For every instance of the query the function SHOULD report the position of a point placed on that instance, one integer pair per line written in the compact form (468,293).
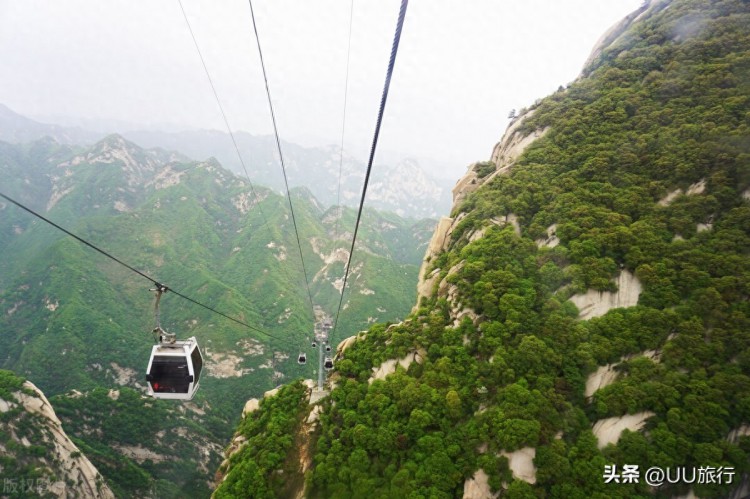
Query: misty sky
(462,66)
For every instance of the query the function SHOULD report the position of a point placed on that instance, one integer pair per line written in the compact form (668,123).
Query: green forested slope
(270,436)
(665,107)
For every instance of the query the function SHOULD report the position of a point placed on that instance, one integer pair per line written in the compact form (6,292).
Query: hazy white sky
(462,65)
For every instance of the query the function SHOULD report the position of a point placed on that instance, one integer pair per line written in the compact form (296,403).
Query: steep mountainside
(70,319)
(37,459)
(144,447)
(583,313)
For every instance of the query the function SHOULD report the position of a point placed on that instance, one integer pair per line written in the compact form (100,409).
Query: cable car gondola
(328,364)
(174,369)
(302,359)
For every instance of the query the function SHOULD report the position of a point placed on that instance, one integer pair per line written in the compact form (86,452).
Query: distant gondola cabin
(174,370)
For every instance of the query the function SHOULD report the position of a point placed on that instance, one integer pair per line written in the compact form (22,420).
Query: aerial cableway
(174,367)
(301,359)
(373,148)
(326,362)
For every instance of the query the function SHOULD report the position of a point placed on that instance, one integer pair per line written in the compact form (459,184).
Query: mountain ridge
(314,167)
(417,196)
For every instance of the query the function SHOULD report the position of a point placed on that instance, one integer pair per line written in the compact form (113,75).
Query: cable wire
(234,141)
(343,126)
(281,159)
(133,269)
(383,100)
(221,108)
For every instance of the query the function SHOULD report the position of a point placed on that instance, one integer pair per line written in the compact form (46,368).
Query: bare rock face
(348,342)
(597,303)
(740,431)
(67,472)
(439,237)
(440,241)
(250,407)
(513,144)
(607,431)
(389,366)
(504,155)
(425,285)
(551,240)
(465,185)
(521,463)
(477,487)
(694,190)
(671,196)
(602,377)
(606,375)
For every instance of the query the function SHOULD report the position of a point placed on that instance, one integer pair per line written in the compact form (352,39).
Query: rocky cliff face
(618,33)
(504,155)
(33,438)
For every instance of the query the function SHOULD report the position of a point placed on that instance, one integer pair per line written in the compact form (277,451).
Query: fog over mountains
(405,188)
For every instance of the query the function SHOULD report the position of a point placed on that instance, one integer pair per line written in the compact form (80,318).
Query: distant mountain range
(15,128)
(404,188)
